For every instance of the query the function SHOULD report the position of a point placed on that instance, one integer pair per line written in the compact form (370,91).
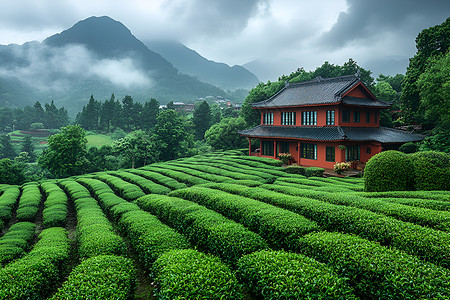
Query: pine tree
(201,120)
(28,147)
(6,148)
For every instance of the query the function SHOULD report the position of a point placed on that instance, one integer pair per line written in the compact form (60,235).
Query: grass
(98,140)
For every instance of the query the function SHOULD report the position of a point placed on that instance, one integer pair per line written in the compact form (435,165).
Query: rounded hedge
(389,171)
(431,170)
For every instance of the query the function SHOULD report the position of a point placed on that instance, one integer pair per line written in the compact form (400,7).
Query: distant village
(222,102)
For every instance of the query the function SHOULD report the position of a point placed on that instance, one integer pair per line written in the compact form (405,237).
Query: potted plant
(340,167)
(285,157)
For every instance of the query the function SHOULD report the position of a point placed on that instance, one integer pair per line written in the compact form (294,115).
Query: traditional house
(324,121)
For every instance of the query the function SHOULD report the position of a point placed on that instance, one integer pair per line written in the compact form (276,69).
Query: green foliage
(408,148)
(278,226)
(201,119)
(34,275)
(389,171)
(28,147)
(15,241)
(204,227)
(148,186)
(29,202)
(170,135)
(55,205)
(189,274)
(159,178)
(314,171)
(377,272)
(431,42)
(6,148)
(296,170)
(66,155)
(127,190)
(431,170)
(137,147)
(100,277)
(283,275)
(8,199)
(434,89)
(11,172)
(224,134)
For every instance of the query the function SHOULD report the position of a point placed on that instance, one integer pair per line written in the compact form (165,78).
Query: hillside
(221,224)
(98,56)
(190,62)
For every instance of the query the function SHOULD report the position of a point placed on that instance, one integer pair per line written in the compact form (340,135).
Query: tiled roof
(333,133)
(318,91)
(364,102)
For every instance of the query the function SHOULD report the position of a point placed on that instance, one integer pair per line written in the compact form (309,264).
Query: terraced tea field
(223,226)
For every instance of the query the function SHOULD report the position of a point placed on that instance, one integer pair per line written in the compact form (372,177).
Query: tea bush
(431,170)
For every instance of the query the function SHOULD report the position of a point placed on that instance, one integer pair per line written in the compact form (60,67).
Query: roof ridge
(320,79)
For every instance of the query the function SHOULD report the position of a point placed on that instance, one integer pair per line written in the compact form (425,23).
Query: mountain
(98,56)
(190,62)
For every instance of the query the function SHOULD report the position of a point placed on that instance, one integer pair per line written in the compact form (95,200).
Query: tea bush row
(176,175)
(200,174)
(159,178)
(334,183)
(232,166)
(423,203)
(148,186)
(283,275)
(55,205)
(252,165)
(189,274)
(433,195)
(305,171)
(204,227)
(8,199)
(95,235)
(276,225)
(123,188)
(263,160)
(15,241)
(416,215)
(36,274)
(217,170)
(429,244)
(100,277)
(29,202)
(377,272)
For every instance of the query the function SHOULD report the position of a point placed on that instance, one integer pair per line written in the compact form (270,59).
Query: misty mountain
(98,56)
(190,62)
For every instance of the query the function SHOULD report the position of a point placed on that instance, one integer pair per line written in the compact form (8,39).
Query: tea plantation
(221,226)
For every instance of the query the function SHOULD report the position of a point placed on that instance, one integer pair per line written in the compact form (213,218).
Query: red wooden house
(324,121)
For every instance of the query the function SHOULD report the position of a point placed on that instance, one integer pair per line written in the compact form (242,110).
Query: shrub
(100,277)
(296,170)
(125,189)
(278,274)
(159,178)
(206,228)
(378,272)
(431,170)
(409,147)
(314,171)
(276,225)
(189,274)
(389,171)
(146,185)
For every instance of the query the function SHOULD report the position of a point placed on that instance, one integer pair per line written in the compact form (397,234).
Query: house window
(346,116)
(308,151)
(283,147)
(330,153)
(352,153)
(268,118)
(288,118)
(368,150)
(309,117)
(356,116)
(367,116)
(330,117)
(267,148)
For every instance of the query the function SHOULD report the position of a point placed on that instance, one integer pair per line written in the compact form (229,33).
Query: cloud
(45,67)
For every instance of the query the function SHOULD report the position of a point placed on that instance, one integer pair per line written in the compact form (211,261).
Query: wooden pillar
(249,146)
(275,149)
(299,151)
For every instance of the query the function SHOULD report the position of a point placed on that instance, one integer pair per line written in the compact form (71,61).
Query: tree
(89,117)
(150,112)
(11,172)
(28,147)
(102,159)
(38,114)
(110,113)
(170,135)
(201,119)
(431,42)
(434,90)
(6,148)
(137,147)
(224,135)
(66,152)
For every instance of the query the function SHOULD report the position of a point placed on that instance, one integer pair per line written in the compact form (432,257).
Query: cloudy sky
(281,35)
